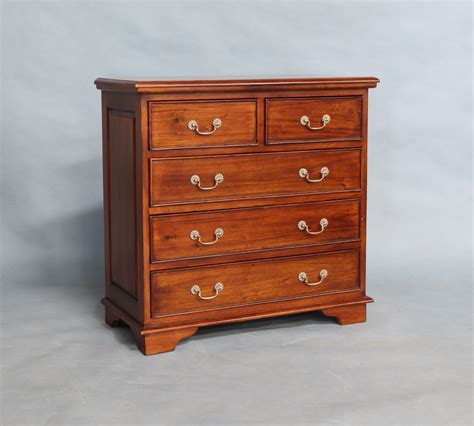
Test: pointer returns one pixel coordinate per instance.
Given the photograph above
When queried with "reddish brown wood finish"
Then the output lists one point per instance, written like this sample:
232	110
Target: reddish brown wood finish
149	341
149	158
252	176
248	283
163	341
347	314
123	206
169	124
254	229
284	126
251	85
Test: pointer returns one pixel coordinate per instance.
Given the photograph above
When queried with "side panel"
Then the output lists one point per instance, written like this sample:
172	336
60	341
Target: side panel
122	171
121	151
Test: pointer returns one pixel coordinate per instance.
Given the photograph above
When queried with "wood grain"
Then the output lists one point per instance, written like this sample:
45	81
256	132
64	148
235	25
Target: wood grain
150	204
163	341
252	229
252	176
253	282
123	208
347	314
284	126
219	85
169	124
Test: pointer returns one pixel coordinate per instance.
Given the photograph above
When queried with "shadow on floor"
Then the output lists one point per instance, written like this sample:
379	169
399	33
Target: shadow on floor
125	337
287	321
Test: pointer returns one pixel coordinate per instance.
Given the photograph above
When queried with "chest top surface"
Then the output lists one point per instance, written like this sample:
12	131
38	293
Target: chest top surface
167	84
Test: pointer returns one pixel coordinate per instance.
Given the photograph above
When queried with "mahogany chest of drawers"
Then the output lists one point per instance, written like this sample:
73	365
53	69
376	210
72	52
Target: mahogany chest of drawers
232	200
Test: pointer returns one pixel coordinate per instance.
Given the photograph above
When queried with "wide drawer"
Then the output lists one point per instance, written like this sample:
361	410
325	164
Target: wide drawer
178	236
202	124
245	283
232	177
313	119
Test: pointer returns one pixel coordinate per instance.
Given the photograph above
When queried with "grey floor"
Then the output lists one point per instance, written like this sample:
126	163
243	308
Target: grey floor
409	364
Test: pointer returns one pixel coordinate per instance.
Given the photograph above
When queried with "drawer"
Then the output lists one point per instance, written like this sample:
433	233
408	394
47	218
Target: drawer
202	124
178	236
246	283
246	176
313	119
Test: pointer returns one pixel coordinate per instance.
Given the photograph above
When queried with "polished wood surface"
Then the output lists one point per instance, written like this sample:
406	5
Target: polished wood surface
253	282
253	176
217	85
149	341
253	229
284	126
165	338
151	206
347	314
123	207
169	124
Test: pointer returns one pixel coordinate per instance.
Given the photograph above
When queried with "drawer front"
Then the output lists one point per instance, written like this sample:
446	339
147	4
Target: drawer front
202	124
218	287
178	180
313	119
178	236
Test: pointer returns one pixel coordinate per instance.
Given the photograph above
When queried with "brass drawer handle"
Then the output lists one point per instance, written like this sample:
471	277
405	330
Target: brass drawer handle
303	277
196	236
303	226
304	120
216	124
196	290
196	180
304	174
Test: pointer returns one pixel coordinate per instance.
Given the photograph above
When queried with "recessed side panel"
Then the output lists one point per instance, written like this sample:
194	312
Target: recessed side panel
122	201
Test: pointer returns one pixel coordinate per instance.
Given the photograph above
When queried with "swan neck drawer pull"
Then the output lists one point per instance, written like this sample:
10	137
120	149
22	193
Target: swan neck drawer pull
304	120
196	290
193	126
196	181
196	236
303	277
303	226
304	174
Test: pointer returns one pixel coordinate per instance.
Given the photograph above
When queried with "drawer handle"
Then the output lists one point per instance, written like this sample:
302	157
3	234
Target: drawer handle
216	124
303	277
196	290
305	174
196	180
303	226
196	236
304	120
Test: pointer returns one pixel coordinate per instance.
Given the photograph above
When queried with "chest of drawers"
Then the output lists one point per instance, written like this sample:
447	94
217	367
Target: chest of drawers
232	200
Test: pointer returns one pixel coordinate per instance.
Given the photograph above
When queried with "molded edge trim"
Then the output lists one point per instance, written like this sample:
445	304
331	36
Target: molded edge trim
149	329
201	85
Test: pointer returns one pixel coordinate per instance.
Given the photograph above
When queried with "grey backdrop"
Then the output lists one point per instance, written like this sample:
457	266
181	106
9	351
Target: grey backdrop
410	364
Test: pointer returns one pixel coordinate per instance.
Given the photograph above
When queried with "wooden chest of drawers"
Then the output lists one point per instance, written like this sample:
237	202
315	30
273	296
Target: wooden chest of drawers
231	200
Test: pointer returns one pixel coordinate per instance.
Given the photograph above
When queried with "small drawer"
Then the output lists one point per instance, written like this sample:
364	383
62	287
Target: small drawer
245	283
178	236
294	120
175	125
247	176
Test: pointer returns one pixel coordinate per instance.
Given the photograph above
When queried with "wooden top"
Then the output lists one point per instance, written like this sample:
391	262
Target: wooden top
187	84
